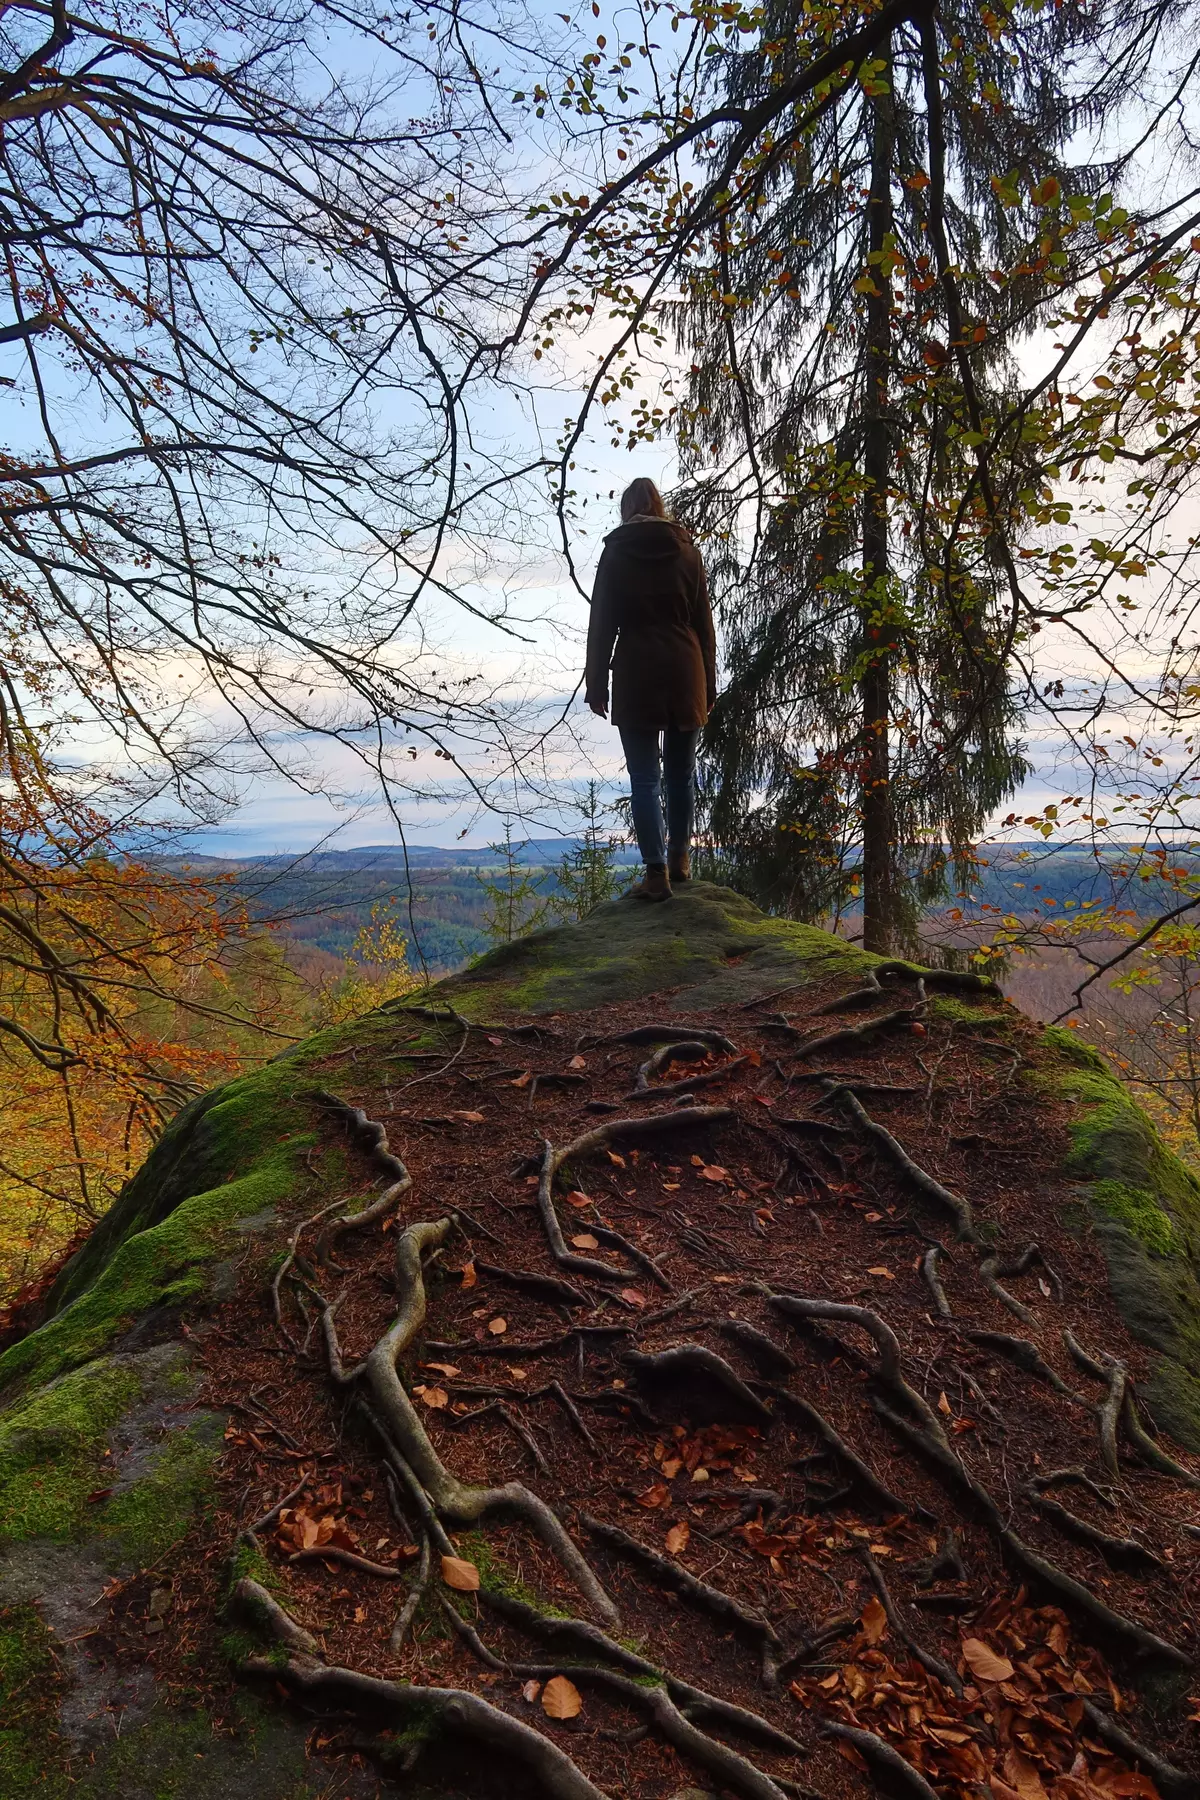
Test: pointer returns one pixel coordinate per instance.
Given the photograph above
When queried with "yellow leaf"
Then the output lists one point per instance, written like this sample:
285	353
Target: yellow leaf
561	1698
460	1574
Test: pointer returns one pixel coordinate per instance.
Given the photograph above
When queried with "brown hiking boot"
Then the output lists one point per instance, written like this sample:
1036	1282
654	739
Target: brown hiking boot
653	885
679	865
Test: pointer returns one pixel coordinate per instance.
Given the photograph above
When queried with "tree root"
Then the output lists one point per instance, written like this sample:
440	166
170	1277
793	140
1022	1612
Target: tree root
1172	1783
454	1710
250	1602
1121	1552
416	1594
889	1371
599	1138
850	1036
1075	1594
542	1287
616	1240
694	1359
771	1357
1145	1447
992	1266
706	1078
929	1269
933	1665
679	1580
534	1346
576	1636
881	1755
397	1418
1075	1477
681	1050
898	1155
1027	1356
1108	1413
864	1476
348	1558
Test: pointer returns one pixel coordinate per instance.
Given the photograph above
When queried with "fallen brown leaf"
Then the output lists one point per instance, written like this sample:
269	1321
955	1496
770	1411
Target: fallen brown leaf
468	1274
585	1241
677	1537
874	1620
460	1574
561	1698
984	1663
497	1327
577	1062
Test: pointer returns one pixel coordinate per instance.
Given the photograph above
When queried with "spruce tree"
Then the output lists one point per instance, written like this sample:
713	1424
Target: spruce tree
852	329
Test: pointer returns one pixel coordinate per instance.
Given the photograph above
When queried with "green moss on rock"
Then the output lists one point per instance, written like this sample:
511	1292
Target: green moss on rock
32	1760
1145	1207
707	946
52	1451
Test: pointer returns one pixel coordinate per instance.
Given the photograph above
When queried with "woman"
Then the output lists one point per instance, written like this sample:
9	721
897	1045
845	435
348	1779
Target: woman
651	601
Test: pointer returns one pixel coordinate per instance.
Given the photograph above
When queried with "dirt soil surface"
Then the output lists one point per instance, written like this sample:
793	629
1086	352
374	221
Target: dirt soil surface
816	1426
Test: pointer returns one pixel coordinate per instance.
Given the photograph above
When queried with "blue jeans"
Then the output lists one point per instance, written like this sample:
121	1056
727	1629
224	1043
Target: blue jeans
649	754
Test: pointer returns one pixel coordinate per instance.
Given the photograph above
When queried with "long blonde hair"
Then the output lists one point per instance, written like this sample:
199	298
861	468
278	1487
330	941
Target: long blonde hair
642	499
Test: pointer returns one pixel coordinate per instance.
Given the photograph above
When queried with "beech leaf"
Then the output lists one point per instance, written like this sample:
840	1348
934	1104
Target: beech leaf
497	1327
677	1537
874	1620
458	1573
585	1241
984	1663
578	1199
577	1062
531	1690
468	1274
561	1698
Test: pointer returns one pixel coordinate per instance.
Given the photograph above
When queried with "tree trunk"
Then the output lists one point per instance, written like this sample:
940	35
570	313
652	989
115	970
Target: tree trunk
875	681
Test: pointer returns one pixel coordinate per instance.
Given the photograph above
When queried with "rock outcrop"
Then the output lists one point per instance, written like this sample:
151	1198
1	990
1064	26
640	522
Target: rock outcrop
680	1349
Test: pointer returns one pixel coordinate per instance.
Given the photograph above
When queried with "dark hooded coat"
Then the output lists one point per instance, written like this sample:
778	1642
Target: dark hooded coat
651	622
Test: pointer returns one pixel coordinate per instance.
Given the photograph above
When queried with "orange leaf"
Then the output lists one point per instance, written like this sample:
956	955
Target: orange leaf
446	1369
469	1277
460	1574
578	1199
632	1296
577	1062
561	1699
713	1172
530	1691
585	1241
433	1396
467	1118
677	1537
497	1327
523	1080
658	1495
984	1663
614	1158
943	1403
882	1271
